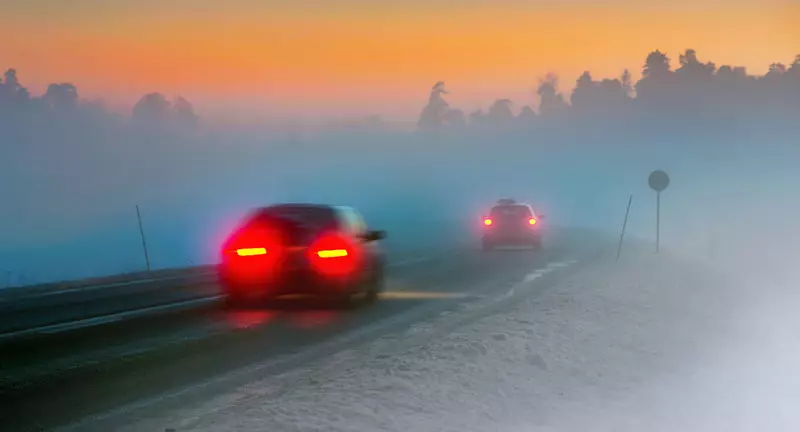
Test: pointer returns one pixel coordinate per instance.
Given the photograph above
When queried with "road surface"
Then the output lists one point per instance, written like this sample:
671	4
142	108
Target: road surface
169	360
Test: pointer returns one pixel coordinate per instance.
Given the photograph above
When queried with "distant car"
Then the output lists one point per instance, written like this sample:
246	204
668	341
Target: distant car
309	249
510	223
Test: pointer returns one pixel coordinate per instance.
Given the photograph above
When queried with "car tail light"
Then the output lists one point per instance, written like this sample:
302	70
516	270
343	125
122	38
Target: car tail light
334	254
532	221
487	221
253	252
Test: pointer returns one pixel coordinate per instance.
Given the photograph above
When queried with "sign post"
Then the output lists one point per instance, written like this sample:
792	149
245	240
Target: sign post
658	181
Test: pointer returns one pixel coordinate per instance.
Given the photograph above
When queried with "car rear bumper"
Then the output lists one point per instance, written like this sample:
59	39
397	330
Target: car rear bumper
514	238
298	282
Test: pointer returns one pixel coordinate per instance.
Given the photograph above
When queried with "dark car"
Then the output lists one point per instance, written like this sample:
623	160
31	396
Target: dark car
308	249
510	223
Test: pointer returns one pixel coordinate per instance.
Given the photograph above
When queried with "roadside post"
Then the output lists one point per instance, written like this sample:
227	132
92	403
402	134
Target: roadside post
144	242
658	181
624	225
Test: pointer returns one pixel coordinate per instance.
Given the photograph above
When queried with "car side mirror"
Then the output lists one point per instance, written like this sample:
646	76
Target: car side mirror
374	235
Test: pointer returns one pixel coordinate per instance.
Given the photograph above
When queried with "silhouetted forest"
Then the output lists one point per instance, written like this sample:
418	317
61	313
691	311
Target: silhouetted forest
62	101
696	93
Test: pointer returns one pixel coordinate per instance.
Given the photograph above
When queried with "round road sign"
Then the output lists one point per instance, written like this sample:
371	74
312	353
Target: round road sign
658	180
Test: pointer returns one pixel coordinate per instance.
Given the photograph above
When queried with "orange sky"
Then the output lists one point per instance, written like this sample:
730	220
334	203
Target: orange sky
353	56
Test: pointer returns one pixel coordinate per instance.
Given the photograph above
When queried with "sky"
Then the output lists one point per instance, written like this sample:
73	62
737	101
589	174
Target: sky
329	58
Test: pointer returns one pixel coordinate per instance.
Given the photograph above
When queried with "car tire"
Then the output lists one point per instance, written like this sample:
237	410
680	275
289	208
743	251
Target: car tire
375	287
349	301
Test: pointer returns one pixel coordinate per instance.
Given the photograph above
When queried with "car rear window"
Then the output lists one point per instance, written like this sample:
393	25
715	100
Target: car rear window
510	211
299	223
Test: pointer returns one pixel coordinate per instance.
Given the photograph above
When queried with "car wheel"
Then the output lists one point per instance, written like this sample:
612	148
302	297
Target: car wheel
351	300
375	287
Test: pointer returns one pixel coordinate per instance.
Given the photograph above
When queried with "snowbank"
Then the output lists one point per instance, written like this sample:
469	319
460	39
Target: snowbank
653	344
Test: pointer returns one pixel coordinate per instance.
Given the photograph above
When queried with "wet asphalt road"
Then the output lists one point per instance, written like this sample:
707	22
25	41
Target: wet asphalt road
94	379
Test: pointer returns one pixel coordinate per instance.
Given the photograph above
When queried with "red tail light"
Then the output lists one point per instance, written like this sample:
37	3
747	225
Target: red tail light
487	221
532	221
334	255
253	252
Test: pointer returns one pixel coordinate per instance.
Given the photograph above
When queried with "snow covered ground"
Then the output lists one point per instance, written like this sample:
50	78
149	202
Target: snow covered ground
652	343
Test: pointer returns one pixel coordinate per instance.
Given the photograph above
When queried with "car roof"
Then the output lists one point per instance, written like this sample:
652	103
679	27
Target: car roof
515	204
334	209
298	205
255	212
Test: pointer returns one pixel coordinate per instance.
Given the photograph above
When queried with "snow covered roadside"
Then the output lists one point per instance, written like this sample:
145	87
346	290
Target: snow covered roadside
654	343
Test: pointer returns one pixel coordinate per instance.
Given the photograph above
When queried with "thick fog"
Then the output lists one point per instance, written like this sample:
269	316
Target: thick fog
72	172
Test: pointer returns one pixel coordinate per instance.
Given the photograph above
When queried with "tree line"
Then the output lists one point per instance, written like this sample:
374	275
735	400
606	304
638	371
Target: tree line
694	92
17	105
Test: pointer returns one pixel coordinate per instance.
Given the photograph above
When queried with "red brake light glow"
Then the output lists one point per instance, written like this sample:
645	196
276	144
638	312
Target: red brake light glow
487	221
532	221
334	255
253	252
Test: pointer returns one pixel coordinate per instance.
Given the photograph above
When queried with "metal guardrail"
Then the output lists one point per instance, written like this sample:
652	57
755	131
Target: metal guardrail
52	312
135	278
39	293
108	318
